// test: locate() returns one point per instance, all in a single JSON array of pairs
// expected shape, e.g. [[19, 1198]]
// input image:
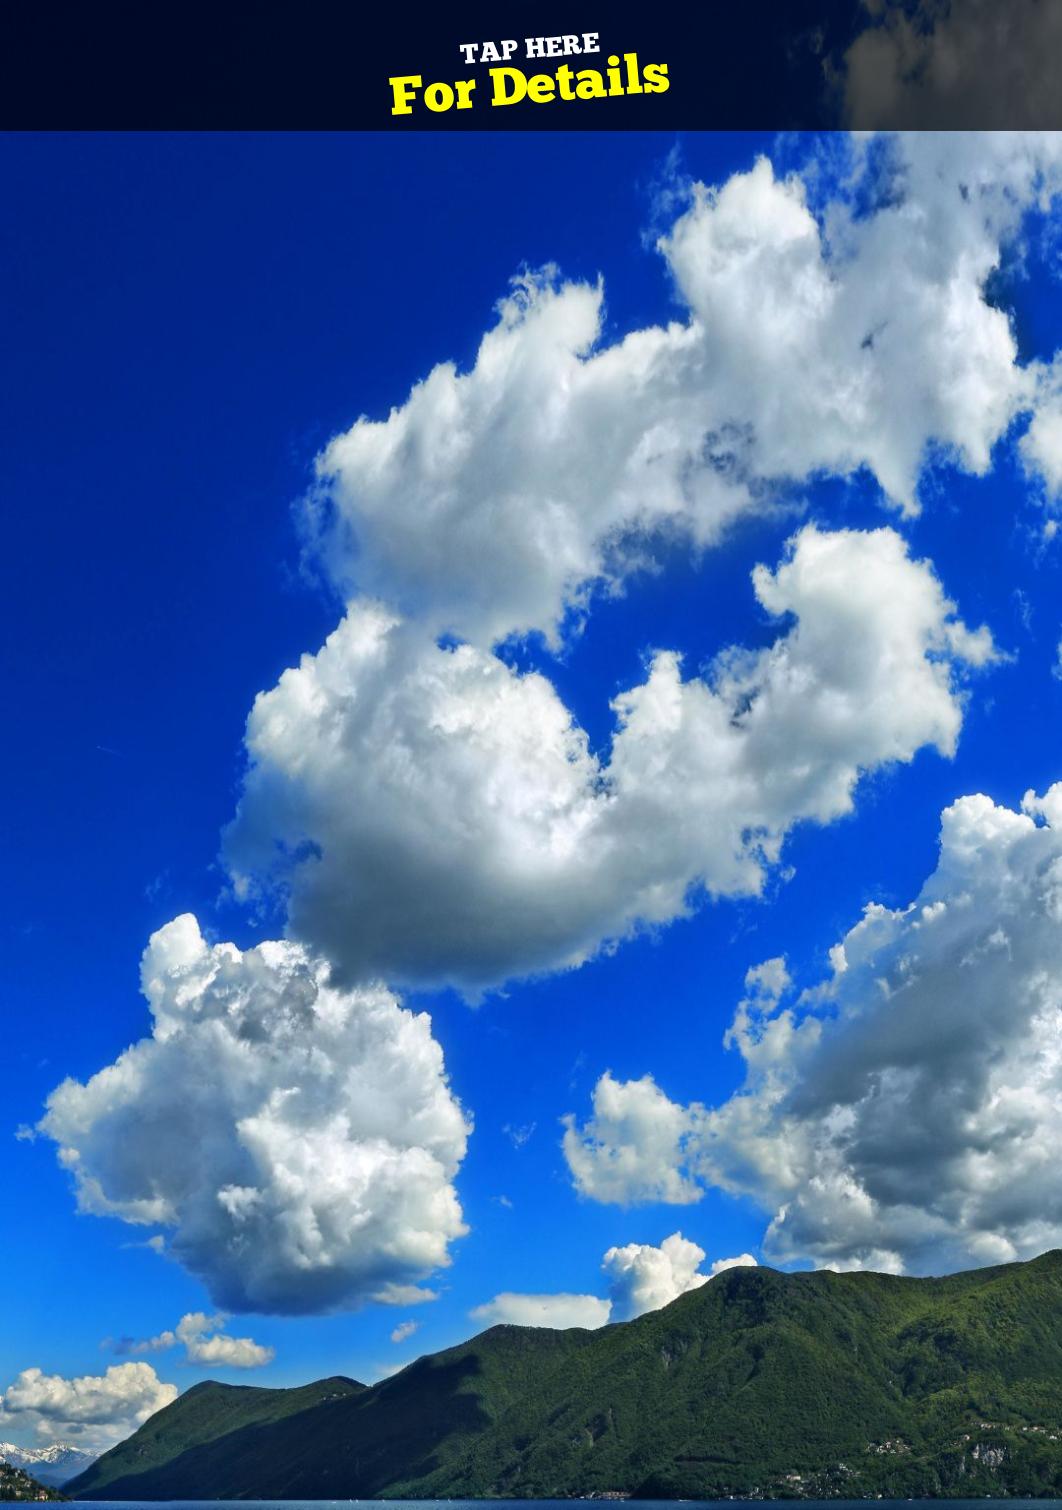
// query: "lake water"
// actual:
[[977, 1504]]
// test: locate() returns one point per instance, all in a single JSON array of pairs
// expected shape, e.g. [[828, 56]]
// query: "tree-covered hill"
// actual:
[[759, 1383], [16, 1484]]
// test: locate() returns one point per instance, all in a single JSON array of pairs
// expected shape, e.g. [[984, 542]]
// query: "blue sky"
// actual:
[[188, 323]]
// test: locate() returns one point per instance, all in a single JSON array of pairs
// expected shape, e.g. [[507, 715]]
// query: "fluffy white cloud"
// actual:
[[229, 1352], [633, 1149], [434, 816], [429, 815], [904, 1115], [93, 1411], [204, 1341], [955, 64], [831, 323], [301, 1141], [404, 1330], [742, 1261], [557, 1311], [643, 1278]]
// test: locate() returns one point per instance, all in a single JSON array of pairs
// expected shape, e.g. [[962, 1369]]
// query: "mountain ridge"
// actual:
[[757, 1384], [51, 1465]]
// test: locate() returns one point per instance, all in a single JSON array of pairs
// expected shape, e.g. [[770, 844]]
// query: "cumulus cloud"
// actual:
[[742, 1261], [428, 815], [955, 64], [204, 1341], [404, 1330], [643, 1278], [93, 1411], [816, 338], [300, 1141], [557, 1311], [633, 1149], [903, 1114], [433, 816]]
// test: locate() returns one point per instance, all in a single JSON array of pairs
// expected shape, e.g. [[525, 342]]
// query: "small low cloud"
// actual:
[[642, 1278], [743, 1261], [558, 1311], [404, 1295], [404, 1330], [204, 1341]]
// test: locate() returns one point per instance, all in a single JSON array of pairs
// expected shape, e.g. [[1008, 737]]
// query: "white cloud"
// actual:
[[404, 1330], [632, 1150], [557, 1311], [300, 1141], [904, 1114], [955, 64], [428, 815], [742, 1261], [404, 1295], [433, 816], [769, 981], [204, 1341], [92, 1411], [830, 323], [643, 1278]]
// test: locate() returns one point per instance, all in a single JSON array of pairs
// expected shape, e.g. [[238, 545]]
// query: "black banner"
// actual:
[[582, 66]]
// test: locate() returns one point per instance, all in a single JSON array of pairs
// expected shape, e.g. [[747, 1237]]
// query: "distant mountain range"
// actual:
[[758, 1384], [48, 1465]]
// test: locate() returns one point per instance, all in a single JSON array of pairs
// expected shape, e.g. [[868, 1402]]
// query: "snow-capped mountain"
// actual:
[[48, 1465]]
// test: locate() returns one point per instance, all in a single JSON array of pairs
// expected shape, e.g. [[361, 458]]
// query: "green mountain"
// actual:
[[759, 1383], [208, 1423]]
